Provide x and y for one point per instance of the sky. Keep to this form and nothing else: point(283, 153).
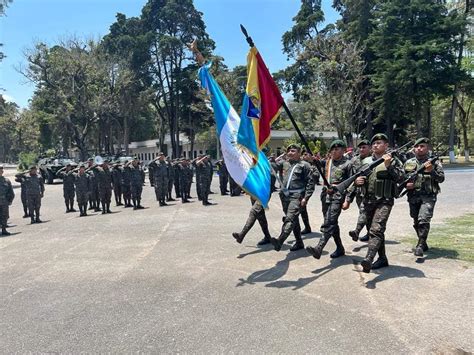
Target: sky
point(30, 21)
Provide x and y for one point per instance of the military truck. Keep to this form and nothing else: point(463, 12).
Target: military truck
point(50, 166)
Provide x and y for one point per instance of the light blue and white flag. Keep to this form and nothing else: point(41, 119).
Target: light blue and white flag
point(252, 175)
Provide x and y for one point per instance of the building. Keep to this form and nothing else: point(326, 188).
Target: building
point(148, 150)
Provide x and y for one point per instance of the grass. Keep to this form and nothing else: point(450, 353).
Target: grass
point(453, 240)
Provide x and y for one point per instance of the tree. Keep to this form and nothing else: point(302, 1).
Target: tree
point(3, 5)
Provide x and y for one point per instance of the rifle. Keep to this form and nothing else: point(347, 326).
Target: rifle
point(344, 185)
point(413, 175)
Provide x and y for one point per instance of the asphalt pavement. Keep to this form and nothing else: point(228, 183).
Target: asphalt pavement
point(173, 280)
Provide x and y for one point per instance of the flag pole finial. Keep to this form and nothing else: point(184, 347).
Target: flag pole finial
point(247, 37)
point(197, 54)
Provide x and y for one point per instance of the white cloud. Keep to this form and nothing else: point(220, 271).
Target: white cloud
point(8, 98)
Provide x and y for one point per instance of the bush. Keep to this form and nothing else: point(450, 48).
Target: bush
point(25, 159)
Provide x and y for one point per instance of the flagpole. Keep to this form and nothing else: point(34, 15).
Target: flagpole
point(287, 110)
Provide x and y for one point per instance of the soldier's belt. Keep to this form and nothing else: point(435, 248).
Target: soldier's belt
point(287, 192)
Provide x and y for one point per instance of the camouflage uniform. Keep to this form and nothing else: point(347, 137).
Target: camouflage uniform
point(82, 183)
point(151, 166)
point(117, 184)
point(297, 184)
point(136, 185)
point(211, 175)
point(202, 171)
point(126, 186)
point(257, 213)
point(69, 191)
point(304, 211)
point(169, 197)
point(223, 176)
point(24, 200)
point(422, 199)
point(335, 171)
point(34, 190)
point(6, 198)
point(104, 185)
point(381, 188)
point(198, 178)
point(161, 174)
point(176, 171)
point(186, 178)
point(94, 199)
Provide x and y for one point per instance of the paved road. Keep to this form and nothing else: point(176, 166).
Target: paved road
point(173, 280)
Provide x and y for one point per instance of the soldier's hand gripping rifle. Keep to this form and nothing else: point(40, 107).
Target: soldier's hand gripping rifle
point(344, 185)
point(413, 175)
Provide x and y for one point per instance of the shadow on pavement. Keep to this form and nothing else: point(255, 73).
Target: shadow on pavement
point(366, 244)
point(308, 236)
point(258, 250)
point(275, 272)
point(392, 272)
point(304, 281)
point(10, 235)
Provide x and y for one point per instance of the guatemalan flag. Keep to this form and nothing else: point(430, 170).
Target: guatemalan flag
point(253, 175)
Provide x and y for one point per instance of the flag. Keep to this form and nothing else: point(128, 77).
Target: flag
point(253, 175)
point(261, 106)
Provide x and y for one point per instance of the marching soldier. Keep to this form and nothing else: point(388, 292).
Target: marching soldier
point(82, 182)
point(337, 169)
point(117, 184)
point(136, 184)
point(161, 174)
point(126, 184)
point(6, 198)
point(358, 163)
point(315, 175)
point(34, 191)
point(297, 189)
point(423, 191)
point(69, 191)
point(257, 213)
point(24, 200)
point(223, 176)
point(380, 187)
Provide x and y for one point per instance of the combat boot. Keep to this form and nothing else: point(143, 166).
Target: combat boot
point(366, 263)
point(306, 230)
point(38, 220)
point(26, 214)
point(104, 210)
point(299, 241)
point(239, 237)
point(32, 219)
point(423, 231)
point(318, 250)
point(354, 234)
point(5, 232)
point(278, 243)
point(108, 208)
point(364, 238)
point(339, 247)
point(266, 232)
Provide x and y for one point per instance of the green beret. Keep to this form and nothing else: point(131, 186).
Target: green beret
point(294, 146)
point(363, 142)
point(379, 137)
point(422, 140)
point(337, 143)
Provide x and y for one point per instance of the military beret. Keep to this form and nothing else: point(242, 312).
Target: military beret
point(90, 159)
point(378, 137)
point(68, 164)
point(82, 166)
point(422, 140)
point(106, 161)
point(32, 167)
point(293, 146)
point(161, 153)
point(363, 142)
point(337, 143)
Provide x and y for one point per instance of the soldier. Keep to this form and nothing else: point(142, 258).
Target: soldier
point(126, 184)
point(223, 176)
point(315, 176)
point(169, 189)
point(104, 185)
point(211, 174)
point(24, 199)
point(69, 191)
point(136, 184)
point(151, 165)
point(380, 187)
point(358, 163)
point(203, 167)
point(423, 191)
point(274, 172)
point(185, 176)
point(94, 200)
point(198, 176)
point(34, 191)
point(297, 189)
point(337, 169)
point(257, 212)
point(161, 173)
point(82, 182)
point(176, 171)
point(117, 184)
point(6, 198)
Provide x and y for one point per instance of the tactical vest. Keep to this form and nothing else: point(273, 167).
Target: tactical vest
point(380, 184)
point(424, 183)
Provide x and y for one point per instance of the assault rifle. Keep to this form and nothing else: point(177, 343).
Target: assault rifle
point(413, 175)
point(344, 185)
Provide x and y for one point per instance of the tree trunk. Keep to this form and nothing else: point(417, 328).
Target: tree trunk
point(126, 134)
point(429, 119)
